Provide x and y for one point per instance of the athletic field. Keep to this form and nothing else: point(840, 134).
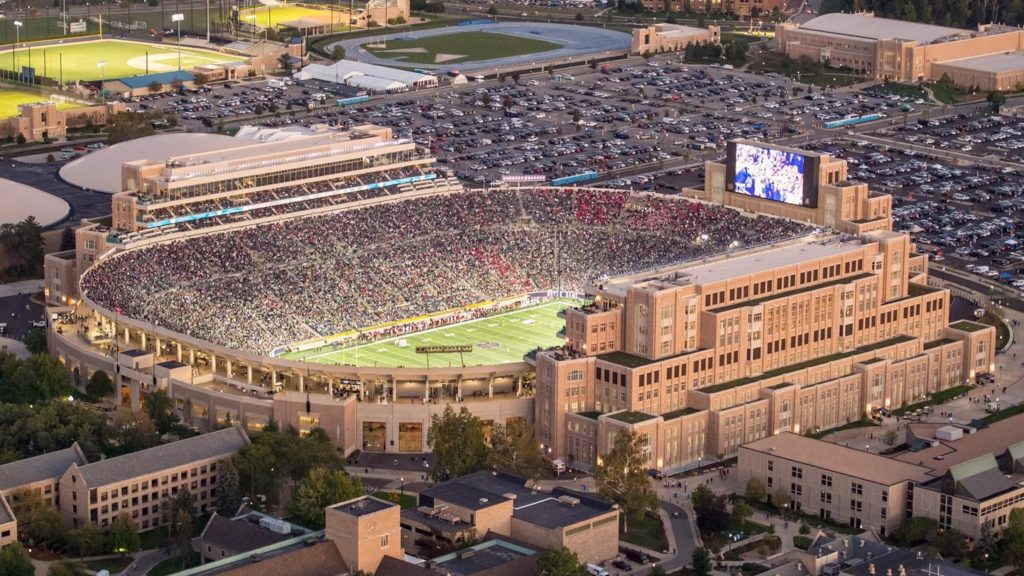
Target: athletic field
point(10, 99)
point(120, 59)
point(274, 16)
point(458, 47)
point(496, 340)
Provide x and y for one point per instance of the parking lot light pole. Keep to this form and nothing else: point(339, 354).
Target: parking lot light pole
point(178, 18)
point(17, 40)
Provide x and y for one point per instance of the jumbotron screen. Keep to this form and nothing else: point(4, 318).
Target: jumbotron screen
point(773, 174)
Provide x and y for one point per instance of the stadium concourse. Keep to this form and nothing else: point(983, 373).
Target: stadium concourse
point(260, 288)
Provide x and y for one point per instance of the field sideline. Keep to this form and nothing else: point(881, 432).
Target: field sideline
point(120, 59)
point(505, 338)
point(459, 47)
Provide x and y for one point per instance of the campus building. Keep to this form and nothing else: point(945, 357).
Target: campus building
point(671, 38)
point(988, 58)
point(969, 484)
point(36, 477)
point(740, 8)
point(703, 358)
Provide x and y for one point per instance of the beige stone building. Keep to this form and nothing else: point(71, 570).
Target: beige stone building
point(703, 358)
point(39, 476)
point(908, 51)
point(671, 38)
point(137, 484)
point(741, 8)
point(969, 484)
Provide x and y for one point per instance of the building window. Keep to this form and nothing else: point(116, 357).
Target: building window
point(826, 480)
point(856, 489)
point(797, 472)
point(385, 541)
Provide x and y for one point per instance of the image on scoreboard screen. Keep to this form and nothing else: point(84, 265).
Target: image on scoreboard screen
point(771, 174)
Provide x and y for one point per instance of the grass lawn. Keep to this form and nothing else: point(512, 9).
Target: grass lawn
point(1002, 331)
point(495, 339)
point(174, 565)
point(649, 533)
point(113, 565)
point(10, 99)
point(741, 38)
point(460, 47)
point(862, 423)
point(804, 71)
point(275, 16)
point(406, 501)
point(120, 58)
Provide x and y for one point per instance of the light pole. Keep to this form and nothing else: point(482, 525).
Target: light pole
point(17, 40)
point(64, 3)
point(252, 27)
point(402, 489)
point(101, 65)
point(207, 21)
point(178, 18)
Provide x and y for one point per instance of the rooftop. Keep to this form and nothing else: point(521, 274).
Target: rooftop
point(968, 326)
point(625, 359)
point(939, 342)
point(677, 413)
point(839, 459)
point(631, 416)
point(483, 557)
point(869, 27)
point(363, 506)
point(222, 443)
point(46, 466)
point(469, 497)
point(800, 290)
point(240, 534)
point(992, 440)
point(996, 63)
point(762, 261)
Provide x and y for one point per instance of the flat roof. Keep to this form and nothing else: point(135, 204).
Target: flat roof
point(992, 440)
point(631, 416)
point(485, 557)
point(872, 28)
point(469, 497)
point(363, 506)
point(1005, 62)
point(728, 268)
point(839, 459)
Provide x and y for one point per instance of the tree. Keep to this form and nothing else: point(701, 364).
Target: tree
point(741, 511)
point(67, 568)
point(156, 87)
point(914, 531)
point(21, 138)
point(125, 126)
point(657, 571)
point(181, 536)
point(124, 538)
point(132, 431)
point(514, 448)
point(22, 242)
point(755, 491)
point(710, 510)
point(458, 443)
point(14, 561)
point(160, 410)
point(996, 100)
point(285, 63)
point(67, 237)
point(701, 560)
point(45, 527)
point(781, 499)
point(622, 478)
point(1013, 539)
point(321, 489)
point(560, 562)
point(338, 53)
point(228, 493)
point(35, 380)
point(86, 540)
point(492, 10)
point(950, 544)
point(99, 385)
point(890, 437)
point(35, 341)
point(579, 17)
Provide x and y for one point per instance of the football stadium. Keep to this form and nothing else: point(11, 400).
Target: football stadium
point(342, 279)
point(106, 59)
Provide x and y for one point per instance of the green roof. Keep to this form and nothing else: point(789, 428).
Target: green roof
point(803, 365)
point(768, 297)
point(939, 342)
point(919, 289)
point(677, 413)
point(968, 326)
point(631, 416)
point(593, 414)
point(780, 386)
point(871, 360)
point(625, 359)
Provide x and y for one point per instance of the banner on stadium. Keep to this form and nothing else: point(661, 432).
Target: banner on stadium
point(77, 27)
point(460, 349)
point(513, 178)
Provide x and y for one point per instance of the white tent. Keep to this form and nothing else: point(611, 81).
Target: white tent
point(375, 83)
point(343, 71)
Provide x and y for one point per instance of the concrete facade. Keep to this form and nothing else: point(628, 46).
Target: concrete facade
point(671, 38)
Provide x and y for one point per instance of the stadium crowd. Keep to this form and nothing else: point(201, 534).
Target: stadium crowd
point(266, 286)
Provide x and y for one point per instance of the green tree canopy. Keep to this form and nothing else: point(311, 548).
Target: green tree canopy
point(514, 448)
point(621, 476)
point(99, 385)
point(560, 562)
point(701, 560)
point(35, 341)
point(322, 488)
point(1013, 539)
point(22, 243)
point(458, 443)
point(124, 538)
point(67, 568)
point(14, 561)
point(228, 491)
point(755, 492)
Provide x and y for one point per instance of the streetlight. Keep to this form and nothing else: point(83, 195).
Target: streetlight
point(101, 65)
point(402, 489)
point(17, 38)
point(178, 18)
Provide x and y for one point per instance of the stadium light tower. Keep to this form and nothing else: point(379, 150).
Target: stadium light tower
point(178, 18)
point(17, 39)
point(208, 2)
point(101, 65)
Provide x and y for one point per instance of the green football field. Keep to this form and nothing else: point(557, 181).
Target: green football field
point(10, 99)
point(459, 47)
point(81, 61)
point(496, 340)
point(274, 16)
